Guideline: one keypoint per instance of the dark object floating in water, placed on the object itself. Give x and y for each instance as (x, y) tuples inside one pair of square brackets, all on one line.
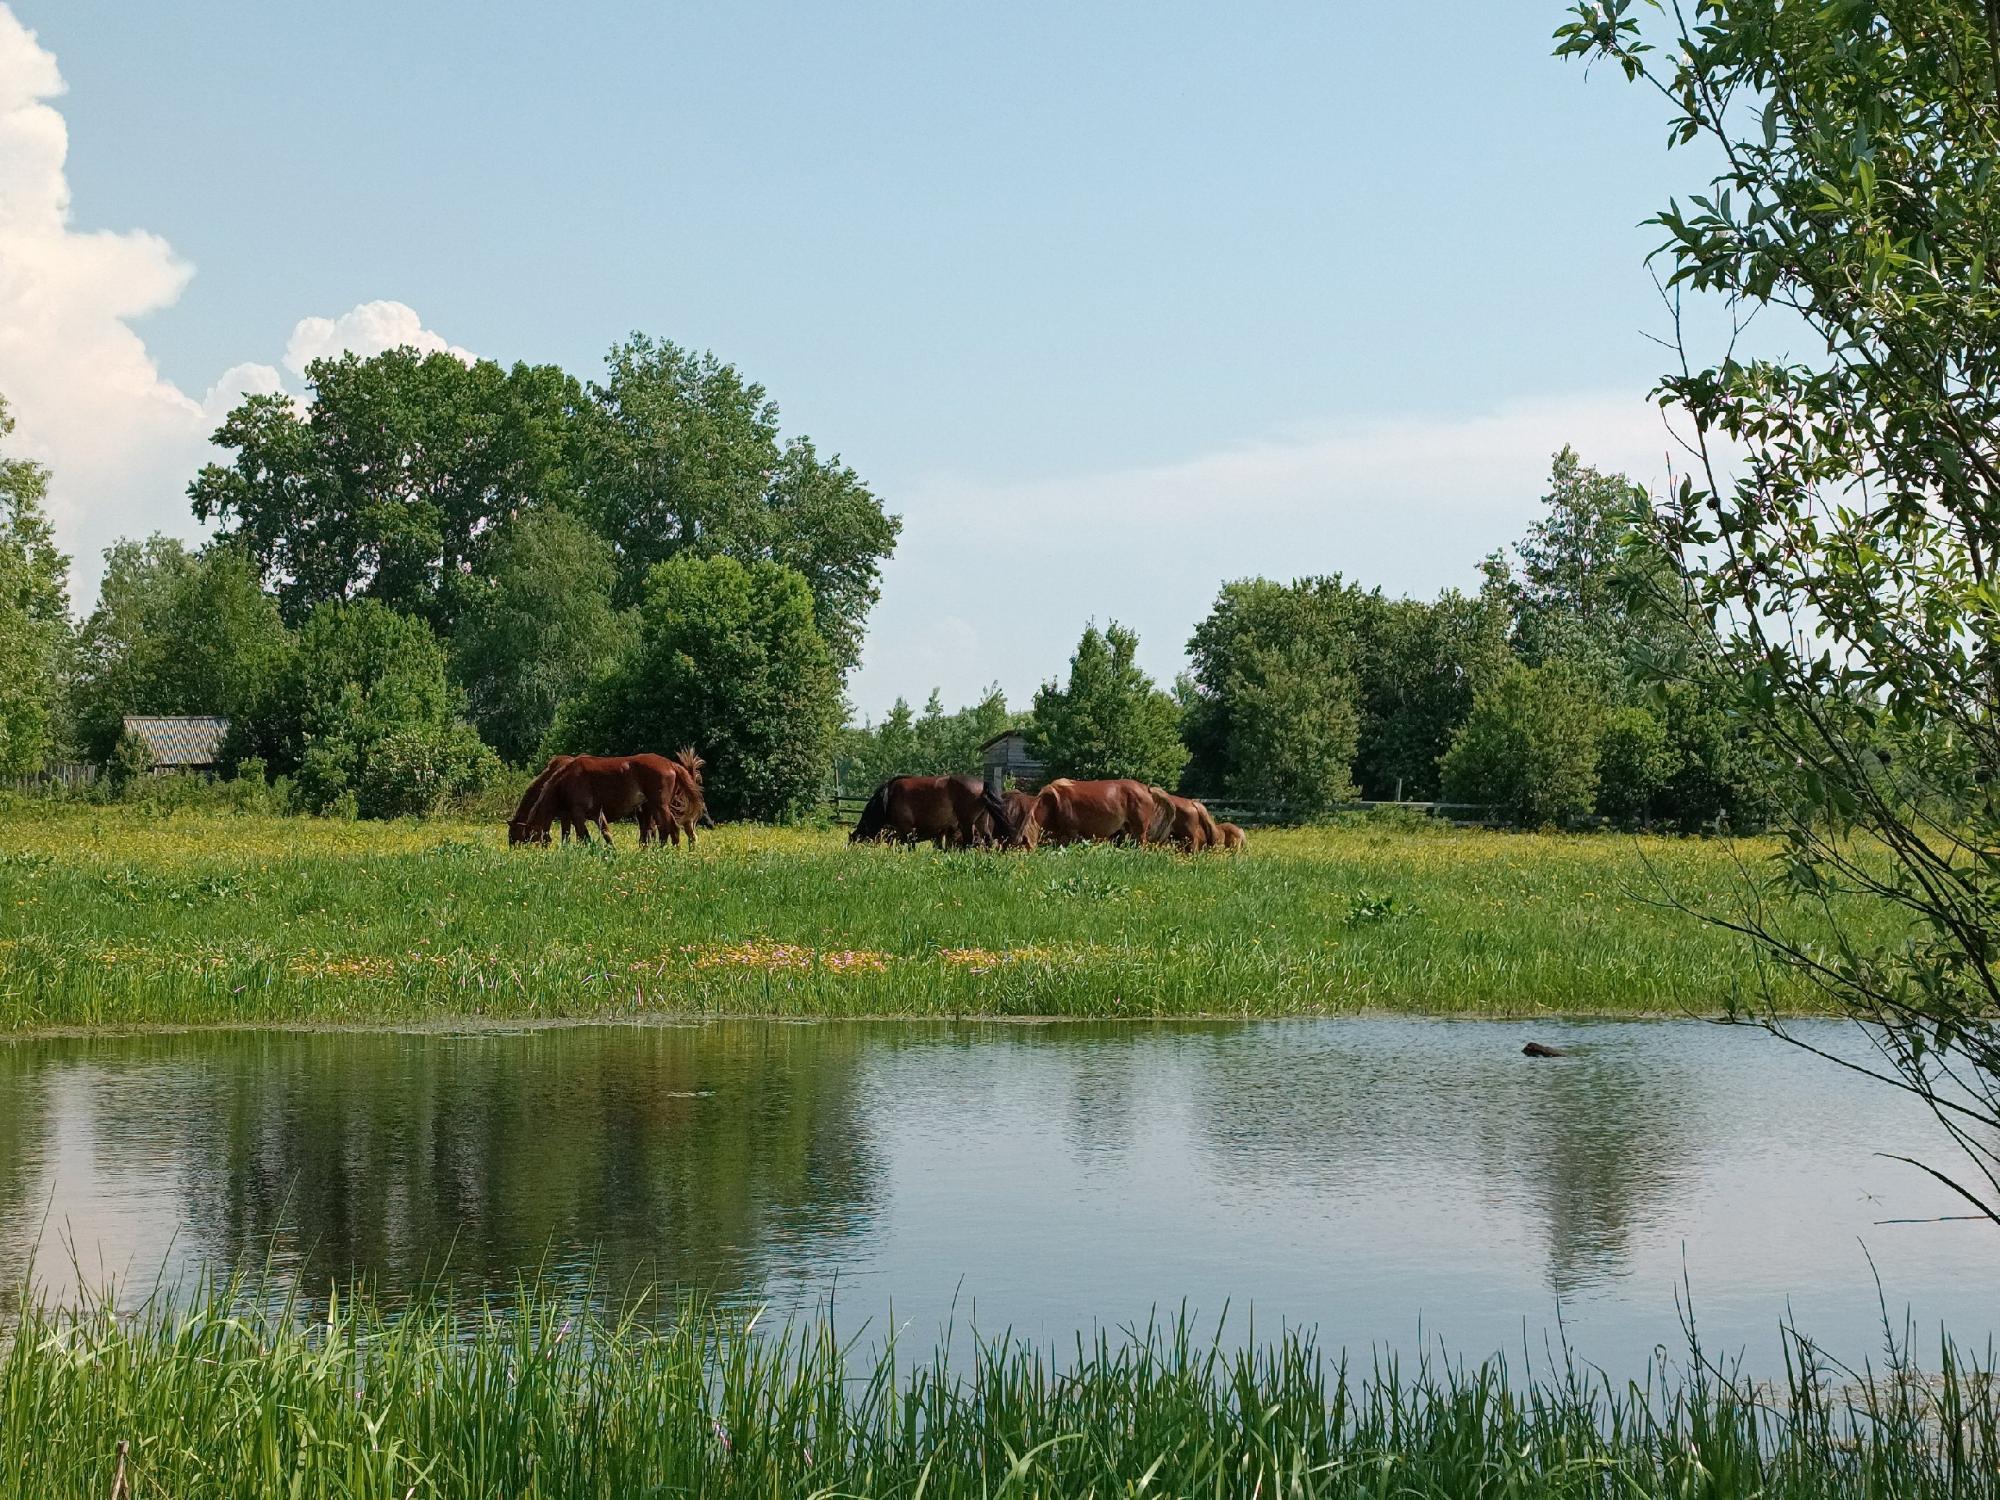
[(1536, 1049)]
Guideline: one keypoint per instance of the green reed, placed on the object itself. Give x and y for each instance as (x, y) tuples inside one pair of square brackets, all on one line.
[(539, 1398), (109, 918)]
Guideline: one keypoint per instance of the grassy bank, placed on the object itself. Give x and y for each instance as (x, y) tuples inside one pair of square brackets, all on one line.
[(111, 918), (531, 1401)]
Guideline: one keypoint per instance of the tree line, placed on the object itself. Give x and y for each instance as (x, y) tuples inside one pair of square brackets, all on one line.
[(433, 568), (1566, 687)]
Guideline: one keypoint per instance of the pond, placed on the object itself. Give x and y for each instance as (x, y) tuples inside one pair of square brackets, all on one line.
[(1397, 1183)]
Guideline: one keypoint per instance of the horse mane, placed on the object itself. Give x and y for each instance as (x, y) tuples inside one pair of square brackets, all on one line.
[(534, 788), (543, 813)]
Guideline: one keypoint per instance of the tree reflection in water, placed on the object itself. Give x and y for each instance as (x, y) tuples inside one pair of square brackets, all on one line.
[(638, 1157)]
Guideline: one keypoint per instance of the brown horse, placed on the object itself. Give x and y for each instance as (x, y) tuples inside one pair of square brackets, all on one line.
[(944, 809), (1231, 837), (517, 826), (665, 796), (1191, 827), (1067, 811), (1020, 809)]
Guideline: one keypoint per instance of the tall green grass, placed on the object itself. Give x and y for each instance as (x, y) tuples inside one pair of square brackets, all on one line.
[(536, 1400), (110, 918)]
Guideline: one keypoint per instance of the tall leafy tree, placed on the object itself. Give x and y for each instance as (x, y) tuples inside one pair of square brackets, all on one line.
[(1574, 591), (1843, 564), (34, 614), (1422, 663), (685, 457), (539, 628), (174, 632), (394, 480), (1272, 702), (1109, 719), (729, 661)]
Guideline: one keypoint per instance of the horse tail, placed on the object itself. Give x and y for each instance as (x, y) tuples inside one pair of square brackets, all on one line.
[(996, 809), (873, 817)]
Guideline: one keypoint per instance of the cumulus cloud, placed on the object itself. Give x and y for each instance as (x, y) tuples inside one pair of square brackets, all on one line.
[(370, 329), (121, 440), (1408, 503)]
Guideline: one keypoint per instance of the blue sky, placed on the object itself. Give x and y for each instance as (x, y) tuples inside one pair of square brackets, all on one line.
[(1111, 302)]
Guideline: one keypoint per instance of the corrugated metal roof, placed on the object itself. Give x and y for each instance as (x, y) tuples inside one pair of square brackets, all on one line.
[(182, 740)]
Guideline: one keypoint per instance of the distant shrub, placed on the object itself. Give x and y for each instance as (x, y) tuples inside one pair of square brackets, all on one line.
[(415, 772), (131, 761), (1635, 762), (1530, 747)]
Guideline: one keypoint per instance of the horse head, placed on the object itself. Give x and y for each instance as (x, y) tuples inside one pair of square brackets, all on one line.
[(1025, 820)]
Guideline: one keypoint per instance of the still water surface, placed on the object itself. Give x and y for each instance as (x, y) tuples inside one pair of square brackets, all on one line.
[(1394, 1182)]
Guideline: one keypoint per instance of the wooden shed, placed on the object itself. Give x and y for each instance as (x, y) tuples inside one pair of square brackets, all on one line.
[(1004, 759), (183, 742)]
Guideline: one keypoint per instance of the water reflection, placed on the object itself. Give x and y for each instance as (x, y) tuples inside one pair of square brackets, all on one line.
[(1368, 1176), (672, 1155)]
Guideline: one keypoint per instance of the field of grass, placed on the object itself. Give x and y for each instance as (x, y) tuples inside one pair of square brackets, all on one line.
[(531, 1401), (111, 918)]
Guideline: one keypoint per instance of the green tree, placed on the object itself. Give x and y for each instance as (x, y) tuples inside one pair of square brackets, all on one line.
[(948, 744), (937, 743), (364, 709), (685, 457), (1272, 702), (1635, 762), (34, 615), (728, 660), (1530, 747), (875, 752), (539, 628), (1842, 562), (1574, 591), (1109, 719), (1422, 663), (396, 480), (174, 632)]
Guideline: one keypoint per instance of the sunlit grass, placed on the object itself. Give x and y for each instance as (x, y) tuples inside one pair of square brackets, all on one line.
[(533, 1398), (108, 917)]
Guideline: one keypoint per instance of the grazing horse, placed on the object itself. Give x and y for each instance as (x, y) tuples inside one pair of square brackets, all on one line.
[(665, 795), (1066, 811), (1190, 826), (517, 826), (1020, 809), (944, 809), (1231, 837)]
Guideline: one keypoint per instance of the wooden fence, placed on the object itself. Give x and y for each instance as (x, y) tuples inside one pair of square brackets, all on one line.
[(67, 778)]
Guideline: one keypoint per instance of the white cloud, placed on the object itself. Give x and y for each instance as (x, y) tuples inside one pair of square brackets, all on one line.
[(1408, 503), (234, 384), (369, 329), (121, 440)]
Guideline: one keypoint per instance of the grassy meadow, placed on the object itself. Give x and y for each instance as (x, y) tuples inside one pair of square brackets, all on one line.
[(530, 1400), (111, 917)]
